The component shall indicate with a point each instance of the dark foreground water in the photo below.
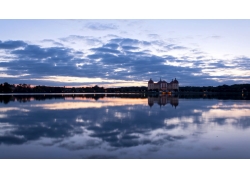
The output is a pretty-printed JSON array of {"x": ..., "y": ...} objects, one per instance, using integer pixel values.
[{"x": 128, "y": 126}]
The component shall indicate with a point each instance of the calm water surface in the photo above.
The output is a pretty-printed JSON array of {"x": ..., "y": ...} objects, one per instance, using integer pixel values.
[{"x": 107, "y": 126}]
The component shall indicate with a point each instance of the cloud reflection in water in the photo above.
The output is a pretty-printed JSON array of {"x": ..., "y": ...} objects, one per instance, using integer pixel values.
[{"x": 126, "y": 127}]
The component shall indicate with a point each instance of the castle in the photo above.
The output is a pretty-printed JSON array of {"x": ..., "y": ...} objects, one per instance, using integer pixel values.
[{"x": 163, "y": 85}]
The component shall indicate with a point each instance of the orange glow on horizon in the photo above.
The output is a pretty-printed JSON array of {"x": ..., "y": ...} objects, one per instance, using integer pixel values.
[
  {"x": 92, "y": 81},
  {"x": 107, "y": 102}
]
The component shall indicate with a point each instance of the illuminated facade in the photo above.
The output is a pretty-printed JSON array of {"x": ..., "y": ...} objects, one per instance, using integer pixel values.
[{"x": 163, "y": 85}]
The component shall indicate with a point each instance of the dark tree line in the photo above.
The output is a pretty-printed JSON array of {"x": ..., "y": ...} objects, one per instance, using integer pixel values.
[
  {"x": 26, "y": 88},
  {"x": 224, "y": 88}
]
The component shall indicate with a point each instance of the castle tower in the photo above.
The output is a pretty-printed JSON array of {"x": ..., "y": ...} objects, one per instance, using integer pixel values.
[
  {"x": 150, "y": 84},
  {"x": 176, "y": 85}
]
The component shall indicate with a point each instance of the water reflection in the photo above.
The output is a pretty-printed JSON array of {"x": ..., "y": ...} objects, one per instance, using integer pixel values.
[
  {"x": 127, "y": 126},
  {"x": 163, "y": 100},
  {"x": 41, "y": 97}
]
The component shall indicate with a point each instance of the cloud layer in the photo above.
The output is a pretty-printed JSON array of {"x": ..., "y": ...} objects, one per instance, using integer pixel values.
[{"x": 113, "y": 59}]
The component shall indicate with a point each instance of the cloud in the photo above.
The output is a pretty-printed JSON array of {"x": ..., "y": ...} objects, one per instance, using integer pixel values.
[
  {"x": 52, "y": 41},
  {"x": 174, "y": 47},
  {"x": 116, "y": 59},
  {"x": 11, "y": 44},
  {"x": 153, "y": 36},
  {"x": 10, "y": 139},
  {"x": 90, "y": 40},
  {"x": 105, "y": 50},
  {"x": 100, "y": 156},
  {"x": 101, "y": 26},
  {"x": 215, "y": 37},
  {"x": 35, "y": 52},
  {"x": 129, "y": 48},
  {"x": 105, "y": 61},
  {"x": 111, "y": 45},
  {"x": 129, "y": 42}
]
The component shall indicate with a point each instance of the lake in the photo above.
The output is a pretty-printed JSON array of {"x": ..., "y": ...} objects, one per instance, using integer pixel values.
[{"x": 123, "y": 126}]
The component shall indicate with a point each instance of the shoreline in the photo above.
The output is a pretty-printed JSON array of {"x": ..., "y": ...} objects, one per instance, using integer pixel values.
[{"x": 148, "y": 93}]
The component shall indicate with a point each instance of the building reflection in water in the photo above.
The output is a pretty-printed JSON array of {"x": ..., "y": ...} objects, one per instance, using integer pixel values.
[{"x": 163, "y": 100}]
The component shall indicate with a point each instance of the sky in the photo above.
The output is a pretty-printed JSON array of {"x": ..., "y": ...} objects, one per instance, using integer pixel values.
[
  {"x": 124, "y": 52},
  {"x": 114, "y": 44}
]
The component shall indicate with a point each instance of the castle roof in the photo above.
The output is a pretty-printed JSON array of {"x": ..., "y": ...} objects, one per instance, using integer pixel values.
[
  {"x": 150, "y": 81},
  {"x": 162, "y": 81},
  {"x": 175, "y": 81}
]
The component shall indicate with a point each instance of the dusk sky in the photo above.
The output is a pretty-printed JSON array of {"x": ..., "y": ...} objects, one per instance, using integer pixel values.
[{"x": 115, "y": 53}]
